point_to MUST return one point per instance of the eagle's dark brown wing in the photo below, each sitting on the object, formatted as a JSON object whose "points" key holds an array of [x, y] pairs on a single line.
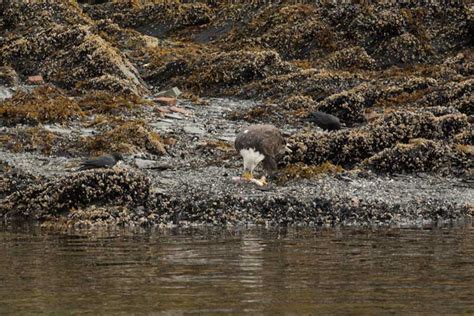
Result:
{"points": [[269, 165]]}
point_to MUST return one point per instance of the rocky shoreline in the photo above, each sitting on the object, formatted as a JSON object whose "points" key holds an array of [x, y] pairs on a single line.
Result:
{"points": [[81, 79], [195, 187]]}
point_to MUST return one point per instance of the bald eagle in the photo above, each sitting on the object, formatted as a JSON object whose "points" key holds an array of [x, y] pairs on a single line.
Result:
{"points": [[260, 143]]}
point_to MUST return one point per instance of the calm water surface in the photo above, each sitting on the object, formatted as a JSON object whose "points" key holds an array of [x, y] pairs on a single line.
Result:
{"points": [[337, 271]]}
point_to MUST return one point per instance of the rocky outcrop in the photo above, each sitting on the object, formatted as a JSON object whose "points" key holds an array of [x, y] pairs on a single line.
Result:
{"points": [[54, 197], [56, 41], [348, 147]]}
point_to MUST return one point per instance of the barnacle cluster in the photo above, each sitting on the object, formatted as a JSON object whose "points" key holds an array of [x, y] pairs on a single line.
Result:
{"points": [[419, 155], [55, 197], [348, 147], [13, 179], [56, 41], [8, 76], [222, 71], [350, 58]]}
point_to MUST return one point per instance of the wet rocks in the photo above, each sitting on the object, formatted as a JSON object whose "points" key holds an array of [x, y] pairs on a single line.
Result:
{"points": [[99, 216], [419, 155], [58, 51], [324, 202], [392, 73], [350, 58], [72, 191], [308, 197], [225, 70], [347, 147], [8, 76], [14, 179]]}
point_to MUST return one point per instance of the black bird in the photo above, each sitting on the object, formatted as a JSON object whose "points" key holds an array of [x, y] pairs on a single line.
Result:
{"points": [[105, 161], [325, 121]]}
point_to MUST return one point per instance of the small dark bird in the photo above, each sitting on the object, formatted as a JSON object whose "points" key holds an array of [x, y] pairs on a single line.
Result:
{"points": [[326, 121], [105, 161], [260, 143]]}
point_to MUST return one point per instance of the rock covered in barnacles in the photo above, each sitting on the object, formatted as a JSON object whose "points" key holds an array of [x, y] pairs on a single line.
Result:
{"points": [[294, 31], [56, 41], [224, 70], [462, 63], [348, 147], [350, 58], [8, 76], [298, 102], [375, 26], [403, 49], [452, 124], [163, 74], [95, 216], [465, 138], [454, 94], [156, 19], [404, 125], [24, 17], [419, 155], [349, 105], [14, 179], [59, 196], [317, 84], [441, 110]]}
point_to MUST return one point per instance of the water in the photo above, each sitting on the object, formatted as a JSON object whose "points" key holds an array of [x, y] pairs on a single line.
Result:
{"points": [[337, 271]]}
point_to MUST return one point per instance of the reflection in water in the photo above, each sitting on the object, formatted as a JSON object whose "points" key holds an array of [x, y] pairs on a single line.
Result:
{"points": [[295, 271]]}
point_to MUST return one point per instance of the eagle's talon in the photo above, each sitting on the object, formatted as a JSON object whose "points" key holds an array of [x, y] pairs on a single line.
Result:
{"points": [[247, 175]]}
